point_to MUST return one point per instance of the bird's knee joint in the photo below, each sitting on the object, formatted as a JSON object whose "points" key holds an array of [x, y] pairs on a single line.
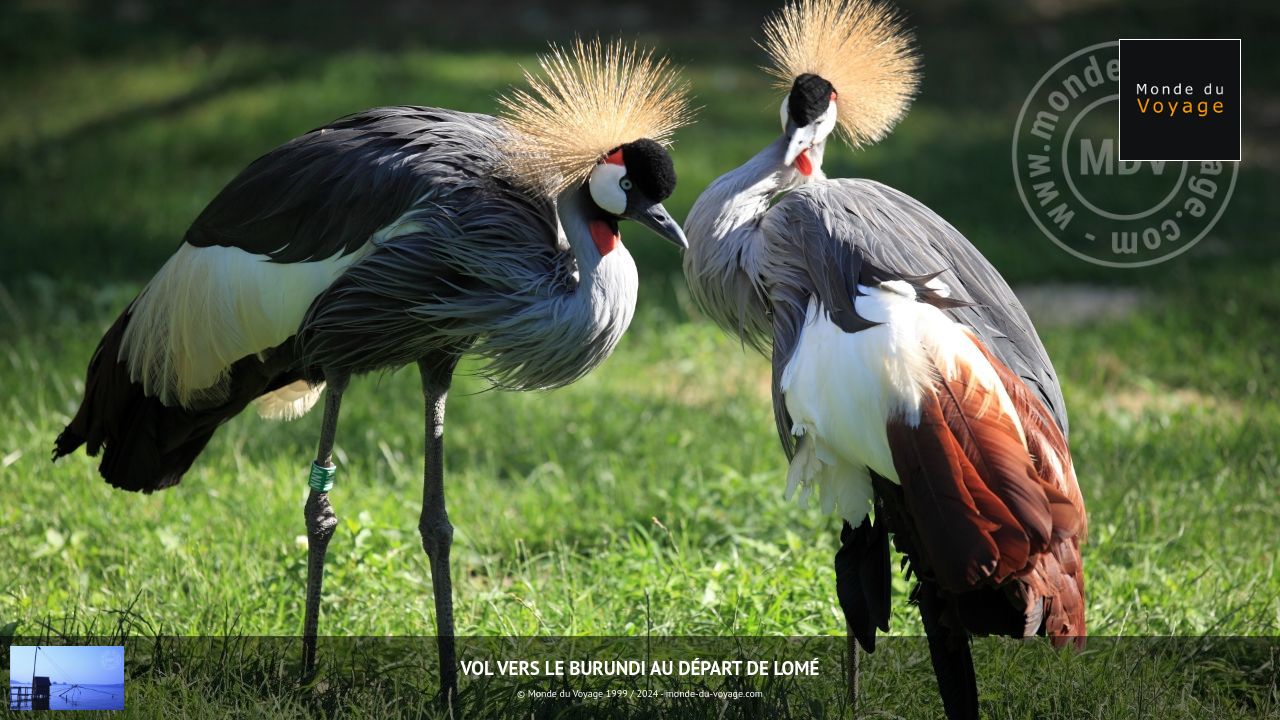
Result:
{"points": [[321, 520], [436, 536]]}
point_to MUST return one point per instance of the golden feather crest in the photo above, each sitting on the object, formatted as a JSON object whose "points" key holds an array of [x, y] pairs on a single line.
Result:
{"points": [[589, 99], [860, 47]]}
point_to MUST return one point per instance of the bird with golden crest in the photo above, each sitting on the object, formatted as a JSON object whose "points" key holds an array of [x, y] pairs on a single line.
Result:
{"points": [[911, 393], [395, 235]]}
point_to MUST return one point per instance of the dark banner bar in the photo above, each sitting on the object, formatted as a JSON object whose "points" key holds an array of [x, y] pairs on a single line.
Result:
{"points": [[688, 677]]}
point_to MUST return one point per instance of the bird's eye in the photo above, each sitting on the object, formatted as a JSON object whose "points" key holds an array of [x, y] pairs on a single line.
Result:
{"points": [[624, 183]]}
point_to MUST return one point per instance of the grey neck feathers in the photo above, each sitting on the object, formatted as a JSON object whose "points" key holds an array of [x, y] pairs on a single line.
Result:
{"points": [[556, 340], [608, 285], [726, 246]]}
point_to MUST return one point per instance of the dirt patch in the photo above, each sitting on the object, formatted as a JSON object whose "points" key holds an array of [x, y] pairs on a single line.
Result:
{"points": [[1072, 305], [1166, 401]]}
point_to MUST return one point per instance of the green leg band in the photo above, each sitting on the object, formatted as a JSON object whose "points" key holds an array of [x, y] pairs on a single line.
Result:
{"points": [[321, 479]]}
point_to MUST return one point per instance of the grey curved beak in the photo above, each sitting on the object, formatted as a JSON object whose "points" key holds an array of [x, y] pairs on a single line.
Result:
{"points": [[656, 218]]}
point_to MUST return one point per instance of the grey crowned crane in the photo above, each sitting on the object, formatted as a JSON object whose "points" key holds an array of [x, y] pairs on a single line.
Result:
{"points": [[910, 389], [395, 235]]}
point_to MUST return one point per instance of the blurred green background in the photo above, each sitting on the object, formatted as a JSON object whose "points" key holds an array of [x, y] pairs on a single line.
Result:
{"points": [[649, 495]]}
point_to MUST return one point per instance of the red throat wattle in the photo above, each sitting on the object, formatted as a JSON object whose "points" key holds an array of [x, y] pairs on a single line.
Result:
{"points": [[804, 164], [605, 236]]}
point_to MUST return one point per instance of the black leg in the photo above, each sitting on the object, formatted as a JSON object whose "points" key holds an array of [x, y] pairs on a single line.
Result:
{"points": [[862, 585], [949, 650], [320, 518], [433, 524], [854, 661]]}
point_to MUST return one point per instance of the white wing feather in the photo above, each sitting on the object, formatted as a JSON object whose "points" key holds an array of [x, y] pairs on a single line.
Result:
{"points": [[211, 306], [842, 389]]}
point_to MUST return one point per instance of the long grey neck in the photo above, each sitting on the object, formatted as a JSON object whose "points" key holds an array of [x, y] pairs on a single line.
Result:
{"points": [[726, 244], [594, 317], [608, 283], [538, 328]]}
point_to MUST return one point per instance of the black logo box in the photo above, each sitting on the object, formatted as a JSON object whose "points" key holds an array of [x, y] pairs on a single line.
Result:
{"points": [[1159, 76]]}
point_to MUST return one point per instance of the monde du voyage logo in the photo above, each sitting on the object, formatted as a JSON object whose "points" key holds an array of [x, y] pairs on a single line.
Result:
{"points": [[1125, 153]]}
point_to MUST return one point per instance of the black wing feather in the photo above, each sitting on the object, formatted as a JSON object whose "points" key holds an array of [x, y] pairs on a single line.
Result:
{"points": [[326, 192]]}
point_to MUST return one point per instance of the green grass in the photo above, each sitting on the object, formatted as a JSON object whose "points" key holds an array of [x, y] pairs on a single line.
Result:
{"points": [[645, 499]]}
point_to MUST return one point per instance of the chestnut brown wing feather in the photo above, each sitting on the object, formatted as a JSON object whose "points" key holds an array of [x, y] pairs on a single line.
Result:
{"points": [[1059, 572], [989, 508], [991, 443], [936, 480], [1045, 439]]}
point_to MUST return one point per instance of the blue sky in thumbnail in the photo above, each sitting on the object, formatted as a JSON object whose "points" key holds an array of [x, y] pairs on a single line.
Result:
{"points": [[79, 665]]}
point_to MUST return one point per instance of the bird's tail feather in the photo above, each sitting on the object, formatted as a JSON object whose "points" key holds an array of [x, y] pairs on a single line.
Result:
{"points": [[145, 445]]}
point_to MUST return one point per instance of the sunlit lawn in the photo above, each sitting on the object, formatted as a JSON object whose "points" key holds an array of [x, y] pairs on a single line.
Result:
{"points": [[645, 498]]}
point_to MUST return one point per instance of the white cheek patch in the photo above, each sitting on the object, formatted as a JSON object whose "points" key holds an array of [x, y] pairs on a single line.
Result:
{"points": [[783, 113], [826, 123], [605, 188]]}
